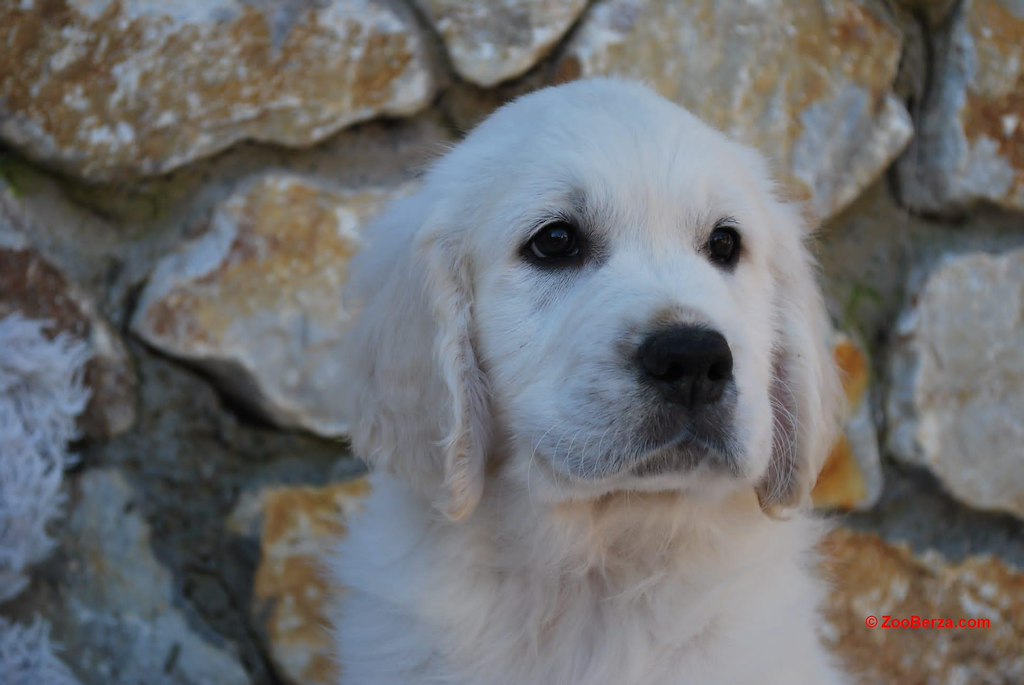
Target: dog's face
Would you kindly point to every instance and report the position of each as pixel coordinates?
(617, 302)
(624, 300)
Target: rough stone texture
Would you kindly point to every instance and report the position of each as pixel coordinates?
(117, 89)
(119, 622)
(108, 238)
(256, 300)
(808, 83)
(38, 289)
(852, 475)
(970, 145)
(295, 527)
(188, 457)
(494, 41)
(873, 578)
(957, 380)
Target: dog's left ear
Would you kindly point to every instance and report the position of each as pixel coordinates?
(806, 394)
(464, 446)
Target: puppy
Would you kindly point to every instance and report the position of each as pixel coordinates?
(589, 366)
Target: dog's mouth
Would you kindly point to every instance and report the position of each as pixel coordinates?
(689, 451)
(678, 441)
(668, 441)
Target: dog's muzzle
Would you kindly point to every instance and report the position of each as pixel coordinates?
(690, 370)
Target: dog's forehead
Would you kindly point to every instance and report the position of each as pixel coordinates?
(606, 129)
(607, 147)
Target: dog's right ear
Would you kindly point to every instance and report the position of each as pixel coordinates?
(417, 401)
(806, 394)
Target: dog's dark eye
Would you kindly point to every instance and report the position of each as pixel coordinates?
(557, 240)
(724, 245)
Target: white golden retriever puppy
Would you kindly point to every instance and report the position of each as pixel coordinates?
(590, 370)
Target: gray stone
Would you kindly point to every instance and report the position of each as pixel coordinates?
(256, 300)
(970, 145)
(808, 82)
(956, 393)
(120, 623)
(494, 41)
(111, 90)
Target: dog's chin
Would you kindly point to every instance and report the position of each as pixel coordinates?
(702, 484)
(686, 455)
(684, 465)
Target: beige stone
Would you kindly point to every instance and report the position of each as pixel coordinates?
(971, 143)
(34, 286)
(296, 527)
(871, 578)
(256, 300)
(956, 397)
(119, 88)
(494, 41)
(808, 83)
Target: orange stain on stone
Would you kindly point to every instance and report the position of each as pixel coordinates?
(841, 483)
(853, 365)
(291, 592)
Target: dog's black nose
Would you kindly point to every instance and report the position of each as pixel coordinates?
(689, 365)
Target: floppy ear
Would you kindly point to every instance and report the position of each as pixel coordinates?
(418, 401)
(806, 394)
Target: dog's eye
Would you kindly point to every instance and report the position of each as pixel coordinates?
(724, 245)
(557, 240)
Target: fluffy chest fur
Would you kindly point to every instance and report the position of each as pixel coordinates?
(636, 593)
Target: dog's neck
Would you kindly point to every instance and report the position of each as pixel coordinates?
(526, 591)
(625, 538)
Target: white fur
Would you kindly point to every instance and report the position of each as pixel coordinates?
(504, 542)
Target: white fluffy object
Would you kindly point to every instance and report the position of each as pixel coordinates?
(41, 393)
(27, 656)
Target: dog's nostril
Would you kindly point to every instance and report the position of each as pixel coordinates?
(667, 372)
(720, 370)
(689, 365)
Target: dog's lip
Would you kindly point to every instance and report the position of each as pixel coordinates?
(685, 437)
(684, 451)
(686, 443)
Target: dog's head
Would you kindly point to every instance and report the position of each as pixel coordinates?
(593, 292)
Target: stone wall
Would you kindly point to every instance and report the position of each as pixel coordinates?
(183, 184)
